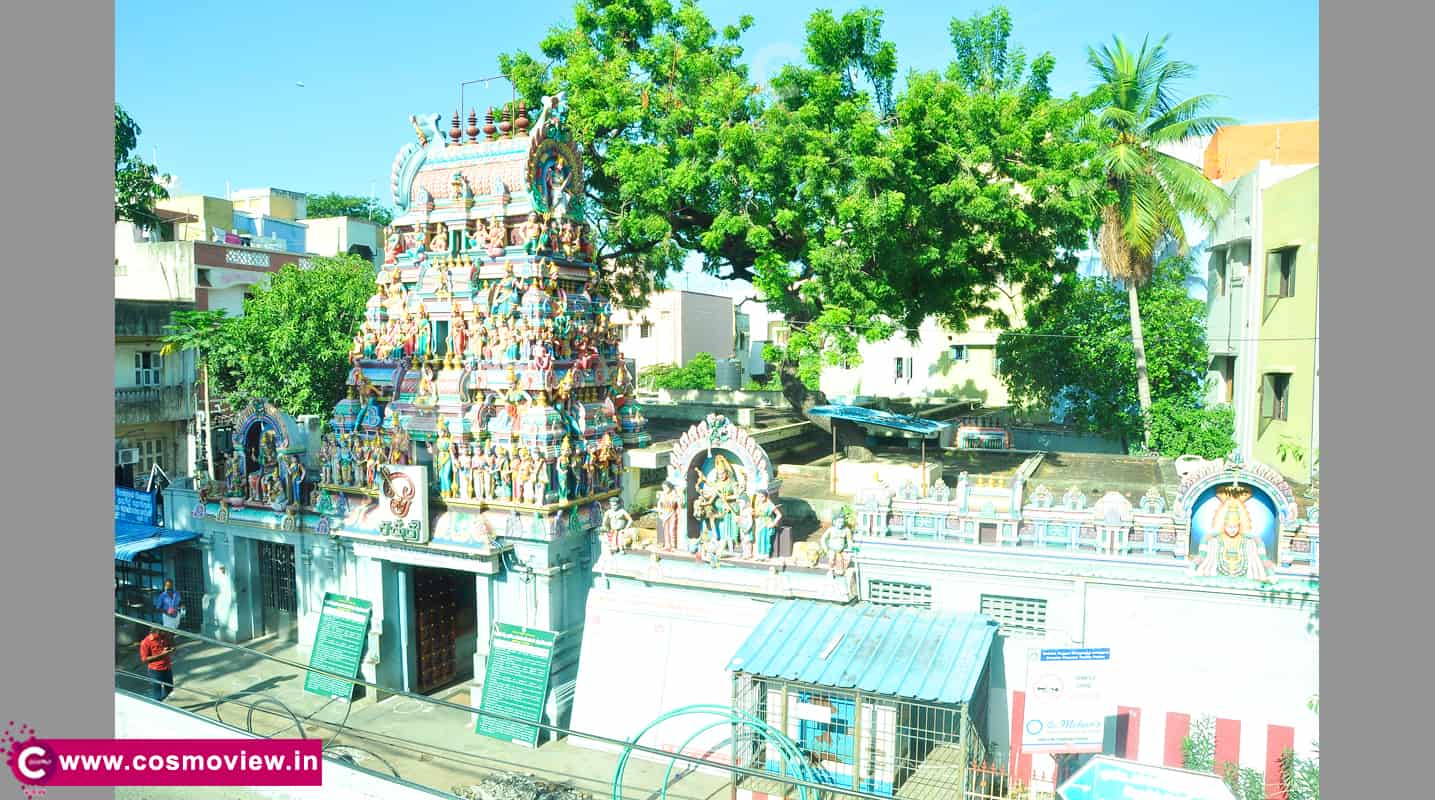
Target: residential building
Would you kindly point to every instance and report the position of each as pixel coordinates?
(677, 325)
(1236, 150)
(330, 236)
(938, 363)
(155, 409)
(1261, 322)
(1288, 355)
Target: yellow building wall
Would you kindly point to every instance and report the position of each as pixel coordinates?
(213, 212)
(1288, 327)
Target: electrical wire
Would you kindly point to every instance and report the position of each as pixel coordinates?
(1026, 334)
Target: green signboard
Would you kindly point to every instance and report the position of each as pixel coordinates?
(516, 682)
(338, 645)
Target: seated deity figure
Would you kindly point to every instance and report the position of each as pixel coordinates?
(1232, 551)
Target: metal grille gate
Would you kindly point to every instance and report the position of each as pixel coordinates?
(278, 592)
(189, 582)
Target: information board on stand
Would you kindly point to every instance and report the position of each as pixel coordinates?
(520, 662)
(339, 645)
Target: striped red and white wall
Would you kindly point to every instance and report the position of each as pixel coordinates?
(1156, 736)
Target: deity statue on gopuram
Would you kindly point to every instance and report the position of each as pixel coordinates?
(485, 352)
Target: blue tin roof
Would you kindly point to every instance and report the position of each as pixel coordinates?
(930, 656)
(881, 419)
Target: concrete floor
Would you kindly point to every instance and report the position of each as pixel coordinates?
(427, 744)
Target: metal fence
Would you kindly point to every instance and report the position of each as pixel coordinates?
(878, 745)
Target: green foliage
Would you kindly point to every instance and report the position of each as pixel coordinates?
(1077, 347)
(291, 345)
(137, 183)
(1301, 777)
(1179, 426)
(852, 209)
(698, 373)
(198, 331)
(334, 204)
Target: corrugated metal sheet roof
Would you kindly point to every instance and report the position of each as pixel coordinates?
(931, 656)
(881, 419)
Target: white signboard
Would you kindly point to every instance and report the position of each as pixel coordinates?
(403, 511)
(1066, 709)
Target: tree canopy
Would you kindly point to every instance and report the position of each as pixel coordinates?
(334, 204)
(137, 182)
(291, 345)
(1075, 351)
(854, 210)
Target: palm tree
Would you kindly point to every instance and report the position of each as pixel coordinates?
(196, 331)
(1136, 110)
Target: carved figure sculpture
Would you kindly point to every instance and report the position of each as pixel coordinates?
(1233, 551)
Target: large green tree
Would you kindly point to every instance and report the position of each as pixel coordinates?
(1076, 351)
(291, 345)
(1138, 111)
(854, 210)
(201, 333)
(137, 182)
(334, 204)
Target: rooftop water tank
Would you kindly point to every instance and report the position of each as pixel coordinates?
(729, 374)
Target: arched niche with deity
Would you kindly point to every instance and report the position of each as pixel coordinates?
(716, 458)
(1234, 514)
(268, 454)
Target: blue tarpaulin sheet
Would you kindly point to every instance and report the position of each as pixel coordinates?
(882, 419)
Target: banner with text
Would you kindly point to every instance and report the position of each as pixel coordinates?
(1066, 708)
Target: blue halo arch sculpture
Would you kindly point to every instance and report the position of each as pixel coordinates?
(794, 765)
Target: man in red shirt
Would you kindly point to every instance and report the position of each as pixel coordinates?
(155, 650)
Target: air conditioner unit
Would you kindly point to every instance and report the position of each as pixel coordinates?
(127, 456)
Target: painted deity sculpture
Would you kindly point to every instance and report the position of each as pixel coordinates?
(766, 518)
(721, 485)
(441, 449)
(670, 506)
(616, 523)
(745, 525)
(1232, 551)
(835, 542)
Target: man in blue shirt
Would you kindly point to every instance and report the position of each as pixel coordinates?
(170, 605)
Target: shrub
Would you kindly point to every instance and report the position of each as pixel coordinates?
(699, 373)
(1180, 427)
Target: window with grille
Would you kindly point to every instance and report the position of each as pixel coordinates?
(151, 453)
(646, 330)
(894, 593)
(959, 352)
(1018, 616)
(149, 368)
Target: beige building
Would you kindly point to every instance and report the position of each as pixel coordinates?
(936, 363)
(677, 325)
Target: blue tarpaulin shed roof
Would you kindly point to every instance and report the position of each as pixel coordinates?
(881, 419)
(930, 656)
(133, 538)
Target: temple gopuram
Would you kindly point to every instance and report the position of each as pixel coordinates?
(486, 351)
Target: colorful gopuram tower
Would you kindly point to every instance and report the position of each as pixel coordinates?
(486, 352)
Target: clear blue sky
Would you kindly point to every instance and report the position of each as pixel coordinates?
(213, 84)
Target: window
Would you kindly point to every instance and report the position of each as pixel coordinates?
(151, 453)
(646, 331)
(149, 368)
(1023, 617)
(1280, 272)
(1275, 395)
(959, 352)
(1217, 280)
(1227, 366)
(997, 367)
(894, 593)
(898, 373)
